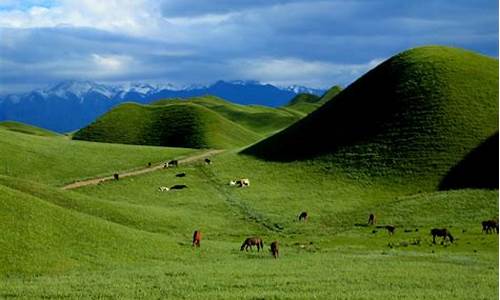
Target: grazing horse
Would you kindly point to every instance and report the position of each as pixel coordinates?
(490, 225)
(196, 238)
(441, 232)
(116, 176)
(303, 216)
(372, 219)
(173, 163)
(178, 187)
(390, 229)
(208, 161)
(252, 241)
(275, 249)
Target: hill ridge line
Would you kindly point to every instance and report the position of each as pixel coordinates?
(97, 180)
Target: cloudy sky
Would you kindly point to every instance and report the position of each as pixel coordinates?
(309, 42)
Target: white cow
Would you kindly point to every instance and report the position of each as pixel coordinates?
(163, 189)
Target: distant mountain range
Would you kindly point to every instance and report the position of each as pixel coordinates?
(70, 105)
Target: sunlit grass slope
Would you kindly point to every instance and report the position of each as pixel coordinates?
(134, 241)
(259, 119)
(177, 125)
(416, 115)
(54, 160)
(25, 128)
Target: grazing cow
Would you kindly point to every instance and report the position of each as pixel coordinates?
(372, 219)
(163, 189)
(275, 249)
(173, 163)
(303, 216)
(196, 238)
(489, 226)
(390, 229)
(208, 161)
(149, 164)
(178, 187)
(180, 175)
(165, 165)
(441, 232)
(232, 183)
(252, 241)
(116, 176)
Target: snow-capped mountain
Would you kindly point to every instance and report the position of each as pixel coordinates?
(69, 105)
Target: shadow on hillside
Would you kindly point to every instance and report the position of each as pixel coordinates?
(479, 168)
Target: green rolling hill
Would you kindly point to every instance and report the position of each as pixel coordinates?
(414, 128)
(25, 128)
(205, 122)
(55, 160)
(416, 115)
(308, 103)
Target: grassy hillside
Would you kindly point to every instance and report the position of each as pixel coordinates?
(131, 241)
(57, 161)
(200, 123)
(25, 128)
(417, 114)
(260, 119)
(308, 103)
(332, 92)
(479, 169)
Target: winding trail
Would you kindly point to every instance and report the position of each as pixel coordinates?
(97, 180)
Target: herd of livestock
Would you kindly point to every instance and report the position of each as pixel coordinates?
(489, 226)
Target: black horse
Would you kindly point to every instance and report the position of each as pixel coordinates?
(303, 216)
(489, 226)
(442, 232)
(275, 249)
(252, 241)
(372, 219)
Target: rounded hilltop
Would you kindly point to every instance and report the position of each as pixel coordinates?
(419, 112)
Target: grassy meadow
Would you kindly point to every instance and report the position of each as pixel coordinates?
(127, 240)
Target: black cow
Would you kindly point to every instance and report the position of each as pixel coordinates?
(116, 176)
(173, 163)
(180, 175)
(208, 161)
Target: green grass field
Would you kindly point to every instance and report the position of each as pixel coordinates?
(56, 160)
(127, 240)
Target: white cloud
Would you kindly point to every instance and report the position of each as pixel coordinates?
(111, 63)
(286, 71)
(126, 16)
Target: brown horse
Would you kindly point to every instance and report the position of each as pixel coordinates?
(372, 219)
(275, 249)
(252, 241)
(303, 216)
(441, 232)
(490, 225)
(196, 238)
(390, 229)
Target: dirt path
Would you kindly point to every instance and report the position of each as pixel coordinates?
(98, 180)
